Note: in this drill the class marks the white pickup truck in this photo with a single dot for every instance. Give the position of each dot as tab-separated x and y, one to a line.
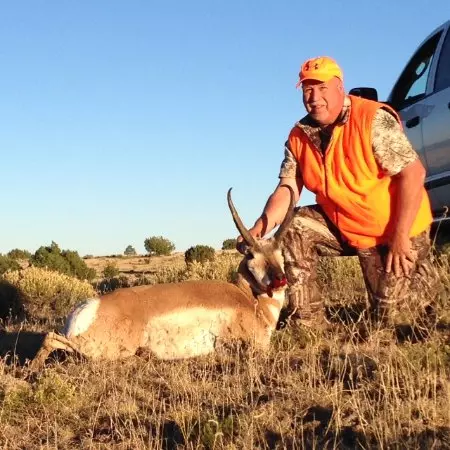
421	95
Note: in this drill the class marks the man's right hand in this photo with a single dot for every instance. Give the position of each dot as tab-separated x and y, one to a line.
274	211
255	231
241	244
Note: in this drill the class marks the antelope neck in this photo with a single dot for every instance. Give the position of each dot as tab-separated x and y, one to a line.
267	306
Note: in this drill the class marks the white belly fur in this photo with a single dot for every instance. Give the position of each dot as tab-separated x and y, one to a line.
186	333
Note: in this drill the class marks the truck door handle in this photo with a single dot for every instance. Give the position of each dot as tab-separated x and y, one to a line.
411	123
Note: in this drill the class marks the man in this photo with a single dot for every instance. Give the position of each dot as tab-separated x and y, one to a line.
371	202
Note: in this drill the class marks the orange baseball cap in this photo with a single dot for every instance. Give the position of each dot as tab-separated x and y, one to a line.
322	68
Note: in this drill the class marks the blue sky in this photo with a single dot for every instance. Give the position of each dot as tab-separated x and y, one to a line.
121	120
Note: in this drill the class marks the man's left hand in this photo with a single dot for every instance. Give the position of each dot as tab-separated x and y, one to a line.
400	258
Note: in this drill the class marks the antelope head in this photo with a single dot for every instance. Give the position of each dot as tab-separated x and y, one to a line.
263	257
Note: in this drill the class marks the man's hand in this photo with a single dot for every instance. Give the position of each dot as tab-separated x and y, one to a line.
409	196
400	257
274	211
241	245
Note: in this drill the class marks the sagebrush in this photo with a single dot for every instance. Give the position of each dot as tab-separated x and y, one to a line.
47	293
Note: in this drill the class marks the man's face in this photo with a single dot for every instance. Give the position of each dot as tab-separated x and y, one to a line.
323	100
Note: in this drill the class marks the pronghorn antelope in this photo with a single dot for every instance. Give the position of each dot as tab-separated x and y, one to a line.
185	319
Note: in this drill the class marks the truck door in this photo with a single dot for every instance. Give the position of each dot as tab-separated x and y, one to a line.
436	131
409	92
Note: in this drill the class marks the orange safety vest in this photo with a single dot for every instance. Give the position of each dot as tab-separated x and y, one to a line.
351	188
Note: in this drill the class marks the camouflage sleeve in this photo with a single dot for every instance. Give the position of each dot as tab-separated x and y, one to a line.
289	167
391	147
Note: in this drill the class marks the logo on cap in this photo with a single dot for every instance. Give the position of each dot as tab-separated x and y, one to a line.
322	68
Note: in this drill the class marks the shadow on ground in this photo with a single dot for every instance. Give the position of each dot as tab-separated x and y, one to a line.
316	433
11	303
18	347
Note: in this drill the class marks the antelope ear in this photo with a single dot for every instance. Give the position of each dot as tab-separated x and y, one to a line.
248	253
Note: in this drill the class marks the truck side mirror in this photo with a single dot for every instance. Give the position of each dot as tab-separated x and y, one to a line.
365	92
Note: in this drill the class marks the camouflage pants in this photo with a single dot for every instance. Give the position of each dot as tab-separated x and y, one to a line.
312	235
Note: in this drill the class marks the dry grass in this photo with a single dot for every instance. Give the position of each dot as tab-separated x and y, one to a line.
340	388
135	265
171	269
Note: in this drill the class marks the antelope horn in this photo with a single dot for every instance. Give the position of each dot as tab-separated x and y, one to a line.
278	236
249	239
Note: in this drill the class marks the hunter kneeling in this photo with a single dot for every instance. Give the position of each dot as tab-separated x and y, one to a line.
371	201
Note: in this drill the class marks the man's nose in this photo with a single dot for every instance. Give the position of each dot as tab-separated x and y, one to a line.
315	95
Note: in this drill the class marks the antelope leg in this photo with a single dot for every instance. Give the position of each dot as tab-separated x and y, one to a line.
51	343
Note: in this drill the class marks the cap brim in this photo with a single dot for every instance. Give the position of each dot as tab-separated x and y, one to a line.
322	78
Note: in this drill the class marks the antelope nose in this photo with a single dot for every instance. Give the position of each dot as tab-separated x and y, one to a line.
276	276
278	281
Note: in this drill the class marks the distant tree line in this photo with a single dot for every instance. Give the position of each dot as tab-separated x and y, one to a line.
67	262
70	263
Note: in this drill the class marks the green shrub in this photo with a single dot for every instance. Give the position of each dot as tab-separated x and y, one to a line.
130	251
229	244
48	293
50	391
19	254
158	245
199	253
63	261
111	271
8	263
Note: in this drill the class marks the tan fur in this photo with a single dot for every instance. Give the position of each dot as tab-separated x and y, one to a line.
186	319
157	317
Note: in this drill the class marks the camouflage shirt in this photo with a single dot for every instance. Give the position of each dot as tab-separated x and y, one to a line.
391	147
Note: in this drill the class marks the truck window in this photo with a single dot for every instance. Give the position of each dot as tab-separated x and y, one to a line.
443	70
412	84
